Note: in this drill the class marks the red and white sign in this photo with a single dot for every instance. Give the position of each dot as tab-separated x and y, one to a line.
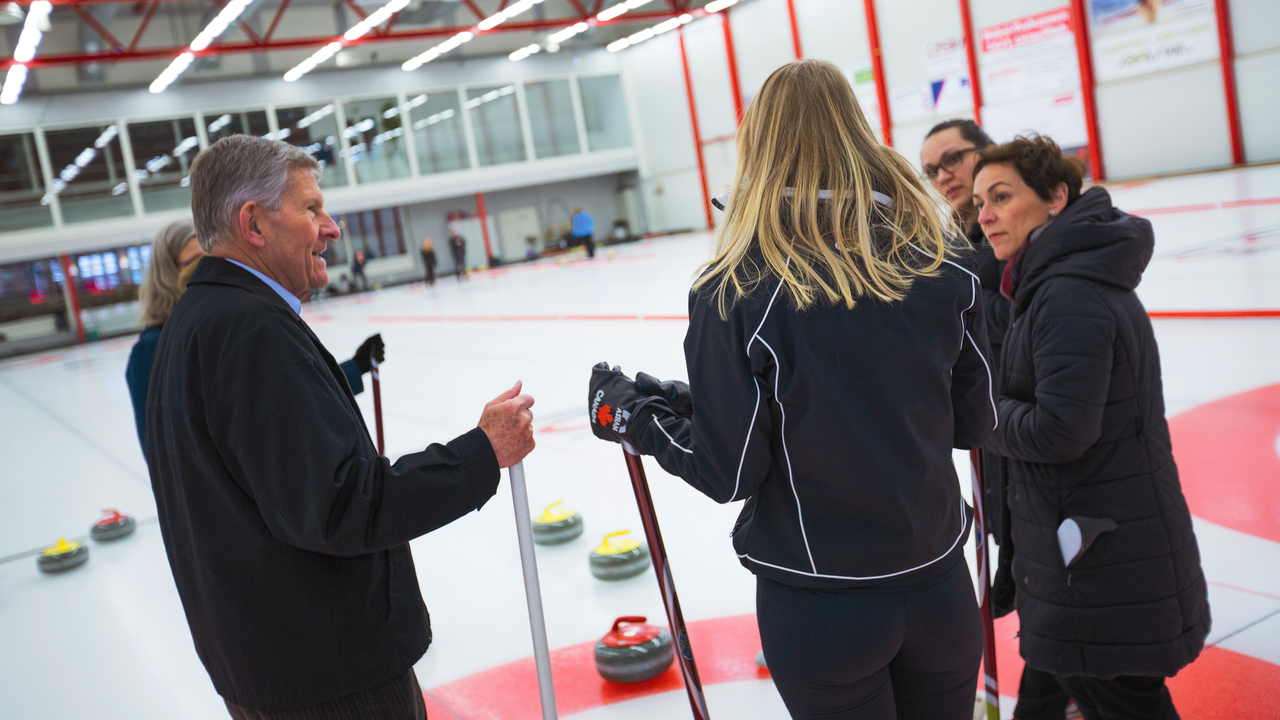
1026	31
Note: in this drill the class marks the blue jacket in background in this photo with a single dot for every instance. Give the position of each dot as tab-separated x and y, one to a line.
583	225
138	375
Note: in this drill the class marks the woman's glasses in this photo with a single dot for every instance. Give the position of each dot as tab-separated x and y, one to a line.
949	162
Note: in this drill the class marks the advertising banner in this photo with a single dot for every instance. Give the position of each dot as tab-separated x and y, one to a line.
1034	55
1133	37
1031	79
947	91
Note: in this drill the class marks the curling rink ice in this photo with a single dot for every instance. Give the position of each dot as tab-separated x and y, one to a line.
109	640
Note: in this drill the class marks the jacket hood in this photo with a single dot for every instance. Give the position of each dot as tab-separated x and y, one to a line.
1091	239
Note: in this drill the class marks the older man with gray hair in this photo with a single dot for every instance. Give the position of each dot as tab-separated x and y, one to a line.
286	532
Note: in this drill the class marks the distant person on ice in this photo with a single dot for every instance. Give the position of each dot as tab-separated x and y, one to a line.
428	252
584	230
458	249
836	355
1111	598
286	532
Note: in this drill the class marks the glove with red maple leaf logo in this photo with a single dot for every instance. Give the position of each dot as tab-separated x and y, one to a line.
615	406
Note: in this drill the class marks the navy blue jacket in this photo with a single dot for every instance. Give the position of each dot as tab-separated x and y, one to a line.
836	426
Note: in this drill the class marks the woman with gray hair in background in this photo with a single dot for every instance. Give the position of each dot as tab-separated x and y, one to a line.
173	257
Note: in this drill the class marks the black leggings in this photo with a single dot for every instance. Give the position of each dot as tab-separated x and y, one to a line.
872	653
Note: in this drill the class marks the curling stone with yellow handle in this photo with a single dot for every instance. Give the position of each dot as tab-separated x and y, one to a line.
62	556
619	560
113	525
556	525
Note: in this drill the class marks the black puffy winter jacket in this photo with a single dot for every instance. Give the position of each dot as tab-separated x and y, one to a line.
836	426
1082	424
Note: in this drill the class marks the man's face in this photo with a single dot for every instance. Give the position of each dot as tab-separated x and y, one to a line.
296	234
956	184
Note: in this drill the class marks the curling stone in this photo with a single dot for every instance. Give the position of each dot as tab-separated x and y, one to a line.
112	526
633	651
62	556
555	526
619	560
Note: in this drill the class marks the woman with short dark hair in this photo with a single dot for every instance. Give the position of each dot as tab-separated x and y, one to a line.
1111	597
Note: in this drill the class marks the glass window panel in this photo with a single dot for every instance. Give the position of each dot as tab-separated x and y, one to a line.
495	118
379	233
106	283
314	128
605	112
22	202
163	151
91	181
437	131
551	118
236	122
32	307
375	139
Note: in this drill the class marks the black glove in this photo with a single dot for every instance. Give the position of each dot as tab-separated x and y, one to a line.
370	348
614	405
674	392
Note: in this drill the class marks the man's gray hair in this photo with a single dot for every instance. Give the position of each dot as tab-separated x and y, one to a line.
236	170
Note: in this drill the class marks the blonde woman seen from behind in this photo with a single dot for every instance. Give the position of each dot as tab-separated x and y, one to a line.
836	355
174	251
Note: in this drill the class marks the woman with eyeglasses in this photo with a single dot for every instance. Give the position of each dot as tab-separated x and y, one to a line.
836	356
1111	597
174	256
947	157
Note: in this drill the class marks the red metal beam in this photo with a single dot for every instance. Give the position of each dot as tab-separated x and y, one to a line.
697	134
598	7
97	27
576	6
795	28
475	9
75	300
146	20
732	56
502	6
1227	54
275	20
356	9
57	60
73	3
971	51
1080	28
877	71
484	228
390	23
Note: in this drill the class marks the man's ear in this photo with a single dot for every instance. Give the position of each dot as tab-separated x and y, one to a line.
250	220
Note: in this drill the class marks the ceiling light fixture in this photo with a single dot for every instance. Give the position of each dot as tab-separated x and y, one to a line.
357	31
649	33
218	25
452	43
524	52
718	5
33	29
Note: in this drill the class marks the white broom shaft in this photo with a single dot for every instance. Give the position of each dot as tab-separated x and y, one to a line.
532	592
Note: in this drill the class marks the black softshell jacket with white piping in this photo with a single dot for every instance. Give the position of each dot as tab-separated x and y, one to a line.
836	426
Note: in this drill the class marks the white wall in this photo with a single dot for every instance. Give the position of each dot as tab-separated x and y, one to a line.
1255	27
670	184
762	38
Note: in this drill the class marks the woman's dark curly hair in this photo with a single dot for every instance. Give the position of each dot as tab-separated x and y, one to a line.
1040	162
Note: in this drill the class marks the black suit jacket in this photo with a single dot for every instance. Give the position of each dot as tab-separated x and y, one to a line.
286	531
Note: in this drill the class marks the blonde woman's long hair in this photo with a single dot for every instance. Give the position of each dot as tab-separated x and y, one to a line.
808	164
161	287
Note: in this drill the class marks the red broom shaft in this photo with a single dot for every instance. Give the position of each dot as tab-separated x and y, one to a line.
377	403
658	552
991	685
